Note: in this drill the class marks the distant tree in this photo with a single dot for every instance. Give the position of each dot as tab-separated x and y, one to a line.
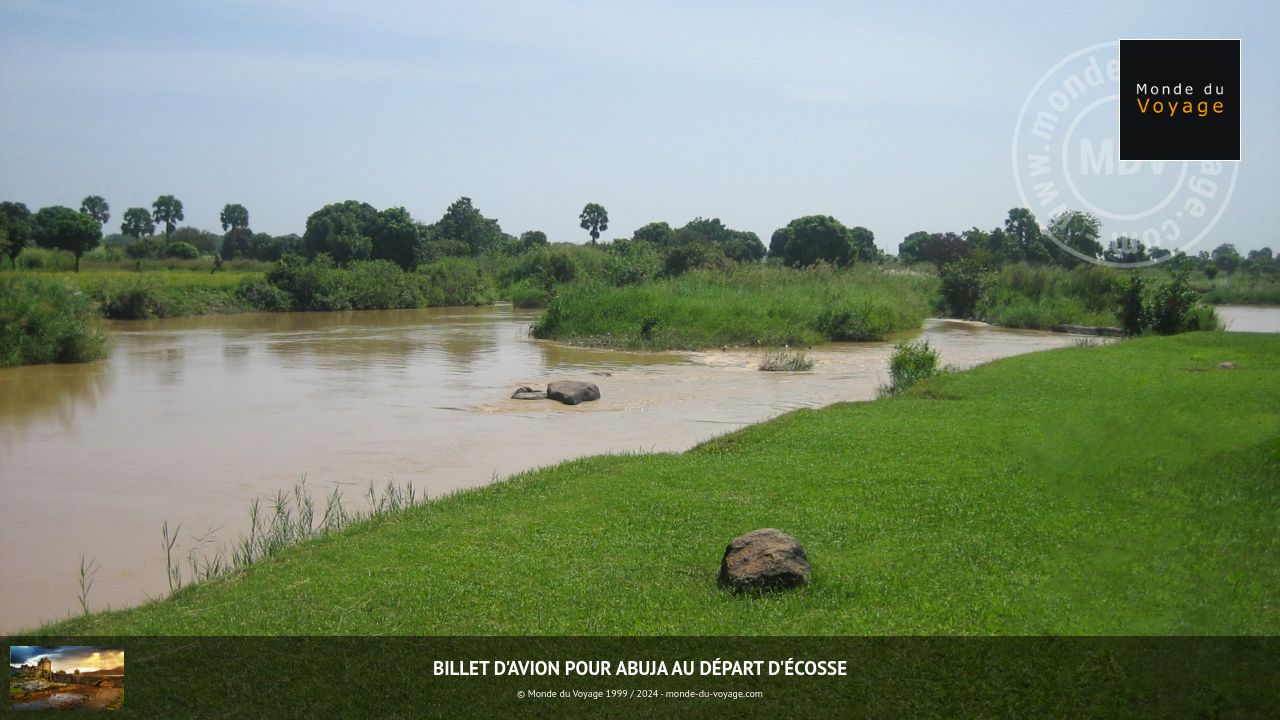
692	250
235	223
1023	239
341	231
864	244
16	231
97	208
657	234
738	245
396	237
202	240
464	223
594	219
937	248
807	240
1078	231
137	223
530	239
1125	249
167	209
1227	258
65	229
1261	255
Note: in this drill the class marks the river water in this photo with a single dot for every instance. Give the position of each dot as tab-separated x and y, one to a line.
188	420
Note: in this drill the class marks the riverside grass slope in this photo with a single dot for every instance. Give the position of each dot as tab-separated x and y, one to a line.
1126	489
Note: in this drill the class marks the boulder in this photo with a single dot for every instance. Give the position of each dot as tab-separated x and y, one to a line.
528	393
572	392
766	559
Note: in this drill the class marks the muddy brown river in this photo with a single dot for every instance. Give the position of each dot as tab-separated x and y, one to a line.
190	419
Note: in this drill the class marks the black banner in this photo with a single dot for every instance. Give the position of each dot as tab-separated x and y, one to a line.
427	677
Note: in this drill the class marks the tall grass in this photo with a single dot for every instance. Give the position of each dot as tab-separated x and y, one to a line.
786	361
281	521
44	320
749	305
1043	296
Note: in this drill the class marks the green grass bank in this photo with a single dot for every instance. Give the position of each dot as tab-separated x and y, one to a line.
1126	489
750	305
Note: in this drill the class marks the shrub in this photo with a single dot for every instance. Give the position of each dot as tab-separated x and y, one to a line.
456	281
1133	316
38	258
529	294
135	298
963	284
1172	308
867	320
255	293
381	284
46	321
911	363
179	249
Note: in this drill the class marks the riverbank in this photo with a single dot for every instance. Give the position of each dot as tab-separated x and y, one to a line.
1134	498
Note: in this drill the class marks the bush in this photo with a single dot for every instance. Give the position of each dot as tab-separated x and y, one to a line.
38	258
911	363
963	284
867	320
1133	316
529	294
456	281
46	321
256	293
135	298
1174	306
179	249
381	284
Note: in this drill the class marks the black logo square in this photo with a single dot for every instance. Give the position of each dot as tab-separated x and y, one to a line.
1179	99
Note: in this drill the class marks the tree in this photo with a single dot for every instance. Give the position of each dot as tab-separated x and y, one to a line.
396	237
657	234
97	208
1078	231
809	239
1227	258
864	244
738	245
937	248
16	231
167	209
594	219
341	231
464	223
530	239
1023	239
235	223
65	229
137	223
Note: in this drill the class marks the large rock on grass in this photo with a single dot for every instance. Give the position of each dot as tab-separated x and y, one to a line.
766	559
572	392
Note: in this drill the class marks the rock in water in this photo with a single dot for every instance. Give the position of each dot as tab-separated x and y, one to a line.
572	392
766	559
528	393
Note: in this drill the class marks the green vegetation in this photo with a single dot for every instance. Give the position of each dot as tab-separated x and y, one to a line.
1136	498
911	362
750	305
46	321
786	361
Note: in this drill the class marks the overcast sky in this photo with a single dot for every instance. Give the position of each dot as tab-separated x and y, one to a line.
892	116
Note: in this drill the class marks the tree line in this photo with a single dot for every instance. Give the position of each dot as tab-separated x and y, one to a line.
352	230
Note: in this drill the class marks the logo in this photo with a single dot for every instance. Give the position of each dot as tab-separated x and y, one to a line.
1066	158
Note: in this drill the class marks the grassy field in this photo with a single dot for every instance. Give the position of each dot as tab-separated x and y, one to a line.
761	306
1126	489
